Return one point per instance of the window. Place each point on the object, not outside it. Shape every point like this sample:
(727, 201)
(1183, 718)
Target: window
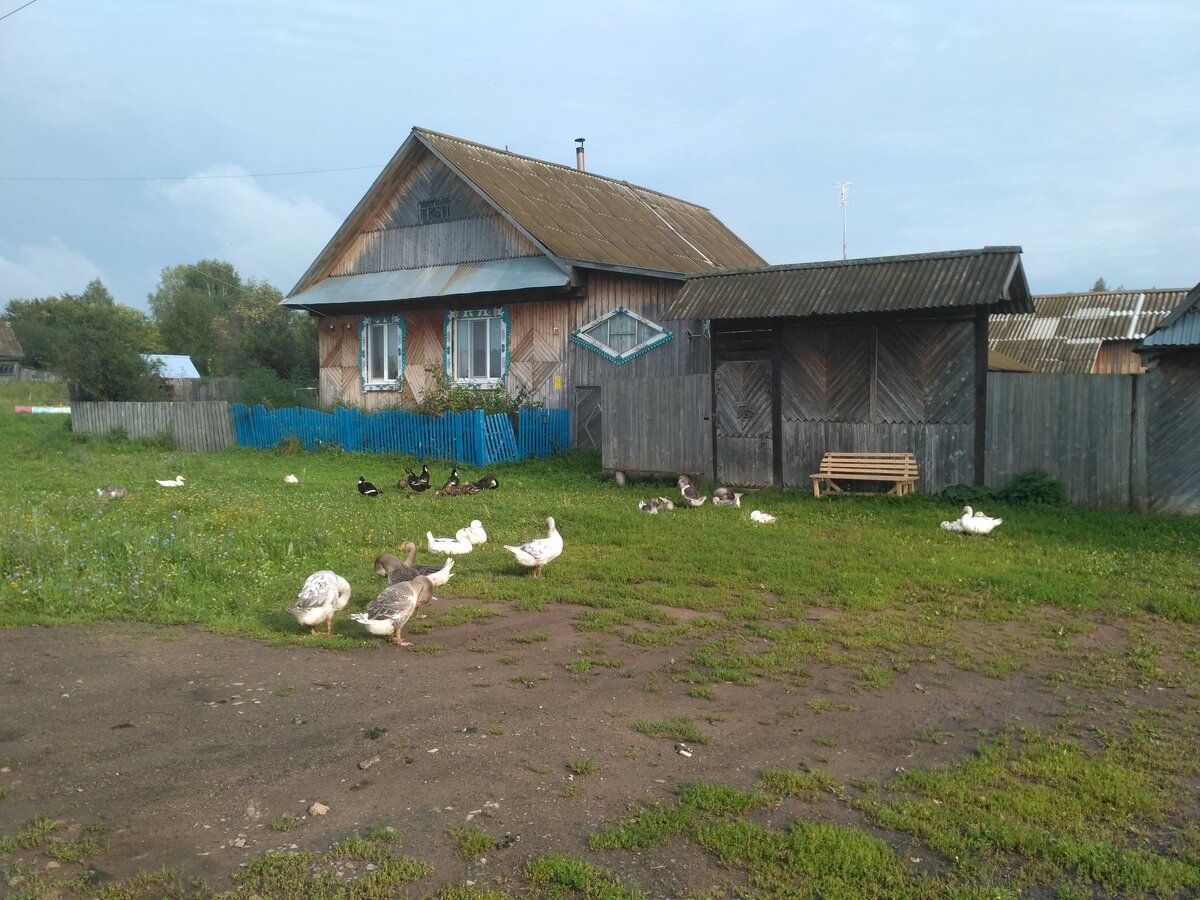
(434, 210)
(621, 335)
(382, 348)
(477, 345)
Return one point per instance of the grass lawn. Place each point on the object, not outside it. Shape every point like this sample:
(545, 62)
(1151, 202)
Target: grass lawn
(229, 550)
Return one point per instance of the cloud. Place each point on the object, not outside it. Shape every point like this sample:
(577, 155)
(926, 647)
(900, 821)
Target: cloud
(42, 270)
(267, 236)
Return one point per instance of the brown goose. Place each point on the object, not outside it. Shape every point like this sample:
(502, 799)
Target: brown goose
(397, 570)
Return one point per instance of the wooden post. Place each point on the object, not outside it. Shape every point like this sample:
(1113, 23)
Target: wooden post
(981, 375)
(776, 410)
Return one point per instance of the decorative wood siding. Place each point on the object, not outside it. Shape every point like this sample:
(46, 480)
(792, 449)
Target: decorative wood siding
(742, 422)
(1174, 433)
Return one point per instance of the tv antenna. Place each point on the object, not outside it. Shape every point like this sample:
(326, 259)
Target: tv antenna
(844, 191)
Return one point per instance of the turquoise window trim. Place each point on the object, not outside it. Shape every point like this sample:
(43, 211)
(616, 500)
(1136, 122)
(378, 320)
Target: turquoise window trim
(583, 339)
(364, 323)
(495, 312)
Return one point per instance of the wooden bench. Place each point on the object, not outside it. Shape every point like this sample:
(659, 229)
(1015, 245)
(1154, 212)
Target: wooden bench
(898, 468)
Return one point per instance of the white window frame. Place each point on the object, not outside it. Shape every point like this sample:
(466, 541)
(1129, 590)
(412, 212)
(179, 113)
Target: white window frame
(370, 330)
(456, 332)
(580, 336)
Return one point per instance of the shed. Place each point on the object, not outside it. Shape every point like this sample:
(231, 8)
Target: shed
(173, 366)
(10, 352)
(882, 354)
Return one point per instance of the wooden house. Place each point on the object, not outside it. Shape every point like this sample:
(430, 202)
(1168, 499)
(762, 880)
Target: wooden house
(887, 354)
(10, 353)
(1094, 332)
(501, 271)
(1172, 354)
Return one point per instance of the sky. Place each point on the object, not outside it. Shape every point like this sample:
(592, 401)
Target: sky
(137, 135)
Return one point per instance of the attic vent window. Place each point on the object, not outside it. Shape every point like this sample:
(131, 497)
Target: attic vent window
(621, 335)
(434, 210)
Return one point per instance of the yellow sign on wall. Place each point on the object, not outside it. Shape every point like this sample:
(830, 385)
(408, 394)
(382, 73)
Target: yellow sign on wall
(558, 382)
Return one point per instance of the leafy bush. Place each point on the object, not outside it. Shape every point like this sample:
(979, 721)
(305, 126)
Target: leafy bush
(1032, 487)
(444, 395)
(262, 385)
(964, 494)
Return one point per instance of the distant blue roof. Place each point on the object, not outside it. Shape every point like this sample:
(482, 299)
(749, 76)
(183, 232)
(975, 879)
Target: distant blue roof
(173, 366)
(1181, 329)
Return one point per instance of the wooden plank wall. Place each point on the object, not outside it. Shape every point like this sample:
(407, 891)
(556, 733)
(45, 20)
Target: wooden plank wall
(1173, 435)
(658, 425)
(204, 426)
(1081, 429)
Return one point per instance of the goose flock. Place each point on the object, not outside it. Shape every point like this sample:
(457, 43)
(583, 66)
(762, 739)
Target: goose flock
(972, 521)
(691, 497)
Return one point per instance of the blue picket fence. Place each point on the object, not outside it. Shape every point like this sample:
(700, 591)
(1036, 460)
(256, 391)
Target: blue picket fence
(468, 437)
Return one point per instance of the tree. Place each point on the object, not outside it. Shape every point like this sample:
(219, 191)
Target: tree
(91, 342)
(187, 304)
(1100, 285)
(259, 333)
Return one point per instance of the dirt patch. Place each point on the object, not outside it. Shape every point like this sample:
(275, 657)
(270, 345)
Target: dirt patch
(188, 745)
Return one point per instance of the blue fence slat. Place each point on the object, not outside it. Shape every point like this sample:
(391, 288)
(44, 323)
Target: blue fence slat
(471, 437)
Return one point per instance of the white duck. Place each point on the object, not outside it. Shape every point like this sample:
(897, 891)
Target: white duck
(691, 496)
(662, 502)
(723, 496)
(952, 525)
(177, 481)
(976, 522)
(535, 553)
(460, 543)
(475, 533)
(395, 569)
(762, 517)
(323, 594)
(389, 612)
(649, 507)
(291, 479)
(111, 492)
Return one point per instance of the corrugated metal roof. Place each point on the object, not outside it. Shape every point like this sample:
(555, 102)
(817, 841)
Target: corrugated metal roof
(578, 218)
(587, 218)
(991, 277)
(1066, 330)
(433, 281)
(173, 365)
(1179, 329)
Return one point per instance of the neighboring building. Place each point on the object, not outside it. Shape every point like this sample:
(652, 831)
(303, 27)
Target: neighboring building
(1096, 333)
(10, 353)
(172, 366)
(498, 270)
(886, 354)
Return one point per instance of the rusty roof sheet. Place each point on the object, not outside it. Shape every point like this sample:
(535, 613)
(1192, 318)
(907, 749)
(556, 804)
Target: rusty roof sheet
(991, 277)
(587, 218)
(1066, 330)
(1179, 329)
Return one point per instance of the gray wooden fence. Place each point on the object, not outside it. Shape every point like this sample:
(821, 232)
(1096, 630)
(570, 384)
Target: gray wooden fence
(203, 426)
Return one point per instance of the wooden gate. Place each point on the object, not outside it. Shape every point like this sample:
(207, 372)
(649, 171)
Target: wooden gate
(587, 417)
(743, 422)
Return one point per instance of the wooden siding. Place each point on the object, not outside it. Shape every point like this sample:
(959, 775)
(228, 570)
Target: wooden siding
(658, 424)
(201, 426)
(1117, 358)
(742, 422)
(1173, 410)
(1078, 428)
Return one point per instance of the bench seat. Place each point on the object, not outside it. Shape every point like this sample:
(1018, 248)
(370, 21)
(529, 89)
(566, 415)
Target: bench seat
(898, 468)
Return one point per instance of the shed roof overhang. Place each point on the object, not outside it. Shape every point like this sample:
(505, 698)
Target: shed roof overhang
(532, 273)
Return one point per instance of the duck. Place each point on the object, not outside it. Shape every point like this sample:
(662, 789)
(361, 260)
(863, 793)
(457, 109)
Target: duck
(395, 569)
(976, 522)
(723, 496)
(460, 543)
(475, 533)
(177, 481)
(457, 490)
(487, 483)
(952, 525)
(691, 496)
(366, 488)
(535, 553)
(290, 479)
(417, 482)
(323, 594)
(762, 518)
(452, 481)
(111, 492)
(648, 506)
(664, 503)
(391, 610)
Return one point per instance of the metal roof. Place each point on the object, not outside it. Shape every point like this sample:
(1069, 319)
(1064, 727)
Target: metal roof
(1179, 329)
(173, 365)
(991, 277)
(10, 347)
(1066, 330)
(577, 218)
(433, 281)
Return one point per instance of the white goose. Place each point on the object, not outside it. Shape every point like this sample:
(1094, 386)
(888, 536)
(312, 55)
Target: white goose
(389, 612)
(723, 496)
(460, 543)
(323, 594)
(177, 481)
(691, 496)
(762, 517)
(535, 553)
(290, 479)
(976, 522)
(475, 533)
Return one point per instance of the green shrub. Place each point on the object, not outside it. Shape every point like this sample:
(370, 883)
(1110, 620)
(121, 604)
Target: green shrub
(443, 395)
(963, 494)
(1032, 487)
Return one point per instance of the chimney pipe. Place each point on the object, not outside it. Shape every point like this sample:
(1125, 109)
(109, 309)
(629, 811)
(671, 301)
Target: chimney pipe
(579, 155)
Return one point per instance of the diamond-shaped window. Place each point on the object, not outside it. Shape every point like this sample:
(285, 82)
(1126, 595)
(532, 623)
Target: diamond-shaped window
(621, 335)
